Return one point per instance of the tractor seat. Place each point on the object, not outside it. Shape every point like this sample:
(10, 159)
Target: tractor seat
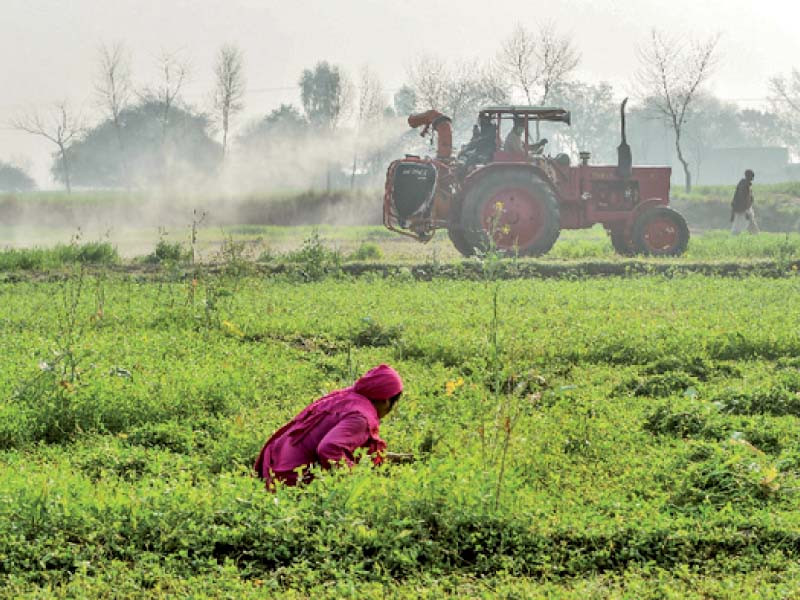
(562, 160)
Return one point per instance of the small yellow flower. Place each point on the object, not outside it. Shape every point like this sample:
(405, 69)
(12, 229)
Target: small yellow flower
(232, 329)
(769, 480)
(451, 386)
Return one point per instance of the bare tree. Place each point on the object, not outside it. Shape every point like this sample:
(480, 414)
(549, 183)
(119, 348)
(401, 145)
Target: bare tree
(671, 75)
(114, 91)
(557, 59)
(430, 79)
(492, 86)
(784, 96)
(61, 126)
(518, 60)
(371, 103)
(785, 92)
(457, 89)
(229, 89)
(537, 61)
(174, 72)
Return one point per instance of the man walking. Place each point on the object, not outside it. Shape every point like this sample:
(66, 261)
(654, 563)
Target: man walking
(742, 215)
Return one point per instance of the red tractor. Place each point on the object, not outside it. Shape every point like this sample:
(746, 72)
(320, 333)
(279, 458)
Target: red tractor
(517, 200)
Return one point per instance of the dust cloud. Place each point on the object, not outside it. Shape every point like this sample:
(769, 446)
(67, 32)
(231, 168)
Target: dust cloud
(285, 180)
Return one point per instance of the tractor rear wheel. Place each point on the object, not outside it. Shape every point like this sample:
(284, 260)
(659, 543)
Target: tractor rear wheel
(621, 241)
(660, 231)
(517, 209)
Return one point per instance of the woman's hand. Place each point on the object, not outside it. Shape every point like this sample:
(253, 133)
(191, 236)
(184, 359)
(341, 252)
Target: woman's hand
(399, 457)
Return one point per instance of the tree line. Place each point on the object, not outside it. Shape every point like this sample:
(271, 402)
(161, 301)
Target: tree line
(349, 127)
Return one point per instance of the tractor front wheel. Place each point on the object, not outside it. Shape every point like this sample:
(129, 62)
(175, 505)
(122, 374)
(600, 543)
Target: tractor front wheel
(456, 235)
(660, 231)
(512, 212)
(621, 241)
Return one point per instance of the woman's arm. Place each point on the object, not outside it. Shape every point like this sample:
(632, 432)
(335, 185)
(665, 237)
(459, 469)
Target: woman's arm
(351, 432)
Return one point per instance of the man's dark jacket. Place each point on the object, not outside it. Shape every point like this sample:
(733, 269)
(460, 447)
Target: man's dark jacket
(743, 197)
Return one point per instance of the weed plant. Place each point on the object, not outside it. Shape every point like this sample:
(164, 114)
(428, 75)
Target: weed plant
(314, 260)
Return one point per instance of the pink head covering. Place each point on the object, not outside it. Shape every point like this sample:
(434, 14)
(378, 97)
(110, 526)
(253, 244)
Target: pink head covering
(380, 383)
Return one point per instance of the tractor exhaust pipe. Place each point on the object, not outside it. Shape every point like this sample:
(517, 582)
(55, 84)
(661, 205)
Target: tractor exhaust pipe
(441, 125)
(624, 158)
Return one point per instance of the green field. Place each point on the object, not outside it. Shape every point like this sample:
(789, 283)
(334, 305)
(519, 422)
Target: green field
(583, 437)
(279, 222)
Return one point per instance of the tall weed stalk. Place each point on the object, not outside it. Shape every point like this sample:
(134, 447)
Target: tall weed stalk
(506, 411)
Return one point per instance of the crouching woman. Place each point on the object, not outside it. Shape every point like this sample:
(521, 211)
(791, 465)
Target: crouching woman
(331, 429)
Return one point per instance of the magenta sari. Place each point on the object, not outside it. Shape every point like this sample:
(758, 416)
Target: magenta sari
(329, 430)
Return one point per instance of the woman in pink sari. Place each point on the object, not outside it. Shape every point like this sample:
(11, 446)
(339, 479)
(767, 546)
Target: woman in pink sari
(329, 430)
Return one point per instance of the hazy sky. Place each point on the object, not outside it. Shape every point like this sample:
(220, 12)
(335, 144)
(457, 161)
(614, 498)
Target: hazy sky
(48, 48)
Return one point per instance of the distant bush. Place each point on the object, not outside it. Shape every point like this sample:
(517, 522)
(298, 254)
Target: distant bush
(14, 179)
(96, 253)
(90, 253)
(167, 252)
(366, 251)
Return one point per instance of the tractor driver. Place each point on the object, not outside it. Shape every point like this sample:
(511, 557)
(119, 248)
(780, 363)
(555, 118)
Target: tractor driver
(513, 141)
(481, 147)
(514, 144)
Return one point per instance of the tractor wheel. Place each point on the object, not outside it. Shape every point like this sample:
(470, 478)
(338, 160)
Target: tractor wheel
(660, 231)
(518, 209)
(456, 235)
(621, 241)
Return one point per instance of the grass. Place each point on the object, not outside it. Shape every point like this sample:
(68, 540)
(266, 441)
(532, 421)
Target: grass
(58, 256)
(275, 244)
(653, 452)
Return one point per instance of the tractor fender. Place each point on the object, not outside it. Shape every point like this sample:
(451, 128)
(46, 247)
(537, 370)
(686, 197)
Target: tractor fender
(481, 172)
(627, 223)
(647, 205)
